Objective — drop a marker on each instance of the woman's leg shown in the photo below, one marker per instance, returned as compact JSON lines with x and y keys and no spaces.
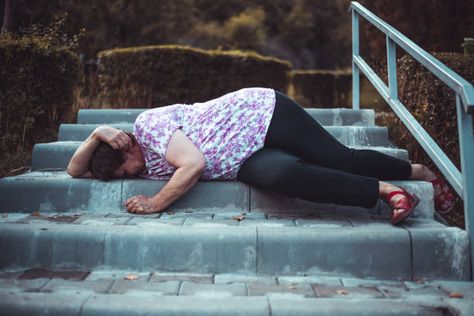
{"x":281,"y":172}
{"x":293,"y":130}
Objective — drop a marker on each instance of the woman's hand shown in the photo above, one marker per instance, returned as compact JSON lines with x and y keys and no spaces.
{"x":140,"y":204}
{"x":114,"y":137}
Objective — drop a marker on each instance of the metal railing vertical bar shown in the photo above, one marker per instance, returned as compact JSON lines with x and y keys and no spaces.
{"x":392,"y":68}
{"x":355,"y":70}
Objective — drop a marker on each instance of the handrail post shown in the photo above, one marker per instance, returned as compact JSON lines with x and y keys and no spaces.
{"x":466,"y":148}
{"x":355,"y":69}
{"x":392,"y":68}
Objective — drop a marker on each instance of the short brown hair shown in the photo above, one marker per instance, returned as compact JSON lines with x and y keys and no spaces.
{"x":105,"y":160}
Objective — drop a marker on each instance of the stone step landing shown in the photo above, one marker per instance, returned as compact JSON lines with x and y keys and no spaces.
{"x":58,"y":192}
{"x":347,"y":135}
{"x":56,"y":155}
{"x":128,"y":292}
{"x":337,"y":117}
{"x":255,"y":243}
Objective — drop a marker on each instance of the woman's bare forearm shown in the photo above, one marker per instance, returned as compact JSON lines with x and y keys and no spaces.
{"x":182,"y":180}
{"x":79,"y":163}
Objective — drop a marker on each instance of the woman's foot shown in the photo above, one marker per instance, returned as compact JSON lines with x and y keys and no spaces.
{"x":401,"y":202}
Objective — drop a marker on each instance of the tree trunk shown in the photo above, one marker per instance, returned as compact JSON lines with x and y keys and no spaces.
{"x":7,"y":17}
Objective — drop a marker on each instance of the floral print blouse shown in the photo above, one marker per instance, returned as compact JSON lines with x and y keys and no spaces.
{"x":227,"y":130}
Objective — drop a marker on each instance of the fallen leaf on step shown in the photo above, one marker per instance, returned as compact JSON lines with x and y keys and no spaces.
{"x":342,"y":292}
{"x":291,"y":286}
{"x":131,"y":277}
{"x":36,"y":214}
{"x":456,"y":295}
{"x":239,"y":217}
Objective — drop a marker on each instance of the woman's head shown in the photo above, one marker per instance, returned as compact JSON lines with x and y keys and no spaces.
{"x":107,"y":163}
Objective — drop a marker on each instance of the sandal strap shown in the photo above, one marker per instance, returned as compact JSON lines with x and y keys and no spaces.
{"x":391,"y":194}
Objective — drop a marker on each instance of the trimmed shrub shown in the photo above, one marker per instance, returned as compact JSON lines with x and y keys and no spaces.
{"x":322,"y":88}
{"x":37,"y":79}
{"x":153,"y":76}
{"x":433,"y":105}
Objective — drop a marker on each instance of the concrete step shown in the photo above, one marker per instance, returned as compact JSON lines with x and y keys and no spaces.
{"x":105,"y":292}
{"x":348,"y":135}
{"x":56,"y":155}
{"x":215,"y":243}
{"x":335,"y":117}
{"x":58,"y":192}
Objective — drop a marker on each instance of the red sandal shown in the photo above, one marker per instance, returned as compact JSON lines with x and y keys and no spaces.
{"x":407,"y":205}
{"x":445,"y":200}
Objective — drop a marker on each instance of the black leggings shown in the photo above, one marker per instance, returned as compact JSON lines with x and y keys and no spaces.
{"x":301,"y":159}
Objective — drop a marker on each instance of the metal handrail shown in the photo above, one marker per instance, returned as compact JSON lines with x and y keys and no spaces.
{"x":463,"y":183}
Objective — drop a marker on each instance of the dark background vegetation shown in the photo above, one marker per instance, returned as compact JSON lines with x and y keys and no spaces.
{"x":314,"y":36}
{"x":308,"y":33}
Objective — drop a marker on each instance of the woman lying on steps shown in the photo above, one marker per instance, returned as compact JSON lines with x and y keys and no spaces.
{"x":257,"y":136}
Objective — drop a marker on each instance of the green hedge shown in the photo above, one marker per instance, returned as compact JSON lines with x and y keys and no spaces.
{"x":153,"y":76}
{"x":322,"y":88}
{"x":36,"y":90}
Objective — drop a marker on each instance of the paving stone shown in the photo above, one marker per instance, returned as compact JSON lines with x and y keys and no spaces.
{"x":368,"y":282}
{"x":33,"y":285}
{"x":335,"y":281}
{"x":226,"y":278}
{"x":301,"y":289}
{"x":58,"y":285}
{"x":237,"y":214}
{"x":20,"y":304}
{"x":156,"y":221}
{"x":107,"y":221}
{"x":372,"y":222}
{"x":131,"y":305}
{"x":268,"y":223}
{"x":347,"y":292}
{"x":177,"y":276}
{"x":99,"y":275}
{"x":402,"y":292}
{"x":361,"y":252}
{"x":209,"y":223}
{"x":201,"y":289}
{"x":165,"y":287}
{"x":354,"y":307}
{"x":440,"y":252}
{"x":466,"y":288}
{"x":38,"y":273}
{"x":322,"y":223}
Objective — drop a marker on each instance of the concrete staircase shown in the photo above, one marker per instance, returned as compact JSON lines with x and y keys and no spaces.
{"x":68,"y":247}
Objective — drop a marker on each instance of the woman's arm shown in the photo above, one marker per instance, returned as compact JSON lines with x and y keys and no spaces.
{"x":79,"y":163}
{"x":190,"y":163}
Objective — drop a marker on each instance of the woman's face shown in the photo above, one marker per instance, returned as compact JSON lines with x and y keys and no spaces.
{"x":134,"y":163}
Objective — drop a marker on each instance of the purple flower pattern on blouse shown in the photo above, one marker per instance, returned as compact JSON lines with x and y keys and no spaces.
{"x":227,"y":130}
